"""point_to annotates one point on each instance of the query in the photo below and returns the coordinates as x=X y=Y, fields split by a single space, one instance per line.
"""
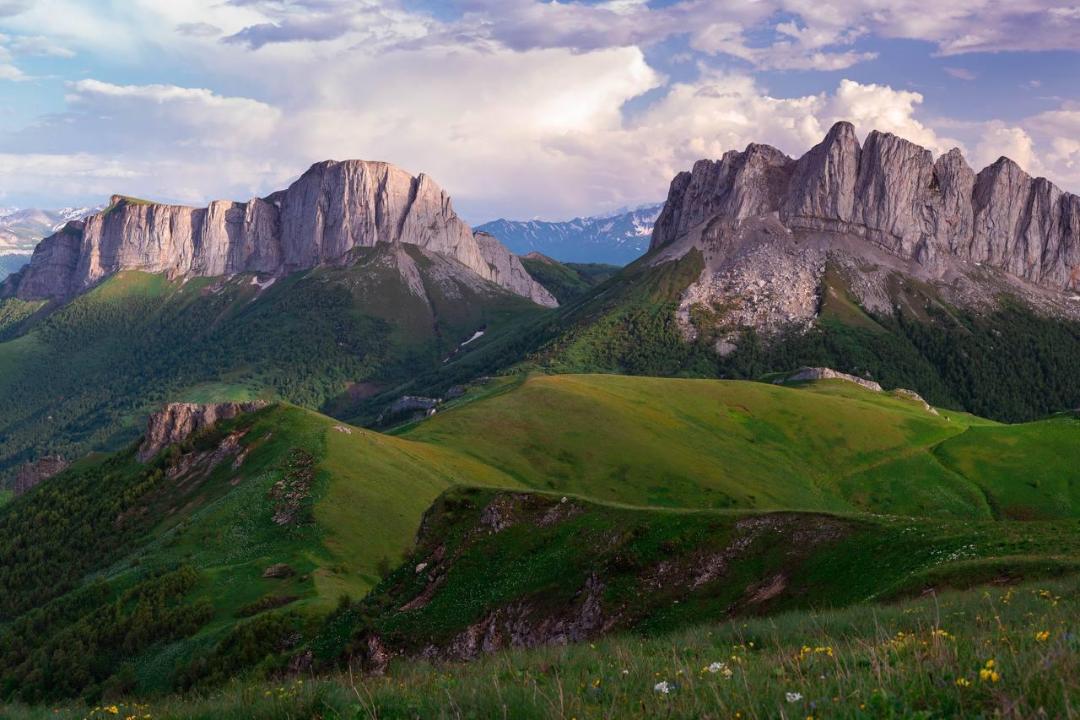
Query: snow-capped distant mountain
x=21 y=230
x=616 y=239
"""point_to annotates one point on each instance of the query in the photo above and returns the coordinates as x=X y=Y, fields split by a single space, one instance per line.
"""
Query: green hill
x=566 y=281
x=230 y=553
x=830 y=446
x=84 y=376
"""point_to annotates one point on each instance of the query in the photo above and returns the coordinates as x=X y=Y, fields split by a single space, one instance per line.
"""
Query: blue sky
x=519 y=108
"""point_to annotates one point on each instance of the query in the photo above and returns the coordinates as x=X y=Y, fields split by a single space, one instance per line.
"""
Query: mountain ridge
x=329 y=211
x=882 y=214
x=895 y=193
x=615 y=238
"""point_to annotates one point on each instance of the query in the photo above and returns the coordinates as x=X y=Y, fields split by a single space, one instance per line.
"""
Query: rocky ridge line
x=892 y=193
x=331 y=209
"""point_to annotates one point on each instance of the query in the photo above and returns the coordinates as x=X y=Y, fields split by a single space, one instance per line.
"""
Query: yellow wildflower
x=963 y=682
x=1042 y=636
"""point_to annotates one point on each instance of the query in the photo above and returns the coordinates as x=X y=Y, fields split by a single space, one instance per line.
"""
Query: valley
x=255 y=528
x=385 y=455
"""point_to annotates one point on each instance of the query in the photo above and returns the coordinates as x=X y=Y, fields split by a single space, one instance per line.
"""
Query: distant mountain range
x=616 y=239
x=21 y=230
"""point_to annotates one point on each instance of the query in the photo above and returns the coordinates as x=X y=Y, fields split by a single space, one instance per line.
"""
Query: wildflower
x=112 y=710
x=663 y=687
x=1042 y=636
x=963 y=682
x=625 y=672
x=793 y=697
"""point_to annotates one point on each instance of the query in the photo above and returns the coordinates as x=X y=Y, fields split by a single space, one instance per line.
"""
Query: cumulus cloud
x=518 y=107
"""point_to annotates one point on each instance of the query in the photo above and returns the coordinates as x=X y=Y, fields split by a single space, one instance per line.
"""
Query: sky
x=518 y=108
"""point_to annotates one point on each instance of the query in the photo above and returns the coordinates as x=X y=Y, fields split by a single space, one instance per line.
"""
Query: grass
x=567 y=281
x=920 y=658
x=698 y=443
x=660 y=469
x=654 y=570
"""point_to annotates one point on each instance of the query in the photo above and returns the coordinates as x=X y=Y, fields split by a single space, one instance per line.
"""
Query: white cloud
x=516 y=107
x=10 y=72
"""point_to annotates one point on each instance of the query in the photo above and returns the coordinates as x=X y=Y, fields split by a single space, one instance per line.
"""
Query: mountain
x=750 y=273
x=348 y=284
x=566 y=281
x=221 y=543
x=21 y=230
x=609 y=239
x=332 y=209
x=770 y=228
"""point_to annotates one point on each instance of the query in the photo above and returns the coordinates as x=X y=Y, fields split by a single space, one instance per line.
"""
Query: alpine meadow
x=709 y=360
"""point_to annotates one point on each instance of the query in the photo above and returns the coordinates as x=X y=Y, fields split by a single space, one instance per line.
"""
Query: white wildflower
x=662 y=687
x=793 y=697
x=717 y=667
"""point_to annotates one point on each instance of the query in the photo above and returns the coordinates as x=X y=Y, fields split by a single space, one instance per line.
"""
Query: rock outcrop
x=809 y=374
x=893 y=193
x=177 y=421
x=34 y=473
x=331 y=209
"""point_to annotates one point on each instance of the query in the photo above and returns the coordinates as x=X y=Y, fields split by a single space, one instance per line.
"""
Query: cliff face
x=331 y=209
x=894 y=194
x=177 y=421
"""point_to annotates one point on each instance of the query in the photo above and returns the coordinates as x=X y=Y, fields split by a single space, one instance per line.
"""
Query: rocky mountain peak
x=768 y=225
x=334 y=207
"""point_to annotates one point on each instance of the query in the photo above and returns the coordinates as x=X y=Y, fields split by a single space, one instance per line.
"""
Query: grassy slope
x=567 y=281
x=137 y=341
x=631 y=441
x=116 y=521
x=662 y=569
x=699 y=443
x=915 y=659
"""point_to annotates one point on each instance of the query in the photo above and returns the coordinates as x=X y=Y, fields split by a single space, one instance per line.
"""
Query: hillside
x=566 y=281
x=230 y=551
x=572 y=571
x=139 y=340
x=166 y=561
x=829 y=447
x=1011 y=362
x=943 y=655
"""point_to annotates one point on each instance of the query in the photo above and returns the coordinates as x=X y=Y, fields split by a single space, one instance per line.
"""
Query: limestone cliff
x=894 y=193
x=331 y=209
x=768 y=227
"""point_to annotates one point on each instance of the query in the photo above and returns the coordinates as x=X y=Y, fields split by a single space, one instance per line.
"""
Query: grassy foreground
x=999 y=652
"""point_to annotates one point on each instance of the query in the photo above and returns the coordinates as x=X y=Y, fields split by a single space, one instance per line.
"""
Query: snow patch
x=263 y=285
x=475 y=336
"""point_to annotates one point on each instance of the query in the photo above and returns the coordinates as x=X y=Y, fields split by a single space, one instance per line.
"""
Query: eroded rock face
x=177 y=421
x=893 y=193
x=808 y=374
x=778 y=237
x=32 y=474
x=331 y=209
